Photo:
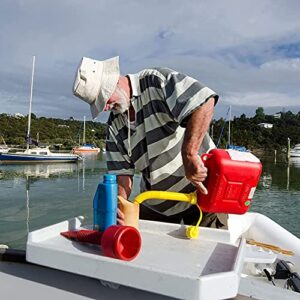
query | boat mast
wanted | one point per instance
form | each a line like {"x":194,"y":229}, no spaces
{"x":229,"y":125}
{"x":83,"y":141}
{"x":30,"y":102}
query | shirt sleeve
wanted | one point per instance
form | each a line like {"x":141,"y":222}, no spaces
{"x":117,"y":159}
{"x":184,"y":94}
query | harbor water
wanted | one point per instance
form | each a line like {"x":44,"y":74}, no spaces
{"x":35,"y":196}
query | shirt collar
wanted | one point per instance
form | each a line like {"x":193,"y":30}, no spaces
{"x":135,"y":84}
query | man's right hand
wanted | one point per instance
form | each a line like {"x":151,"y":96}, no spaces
{"x":195,"y":171}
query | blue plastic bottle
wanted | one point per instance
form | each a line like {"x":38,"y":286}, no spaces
{"x":105,"y":203}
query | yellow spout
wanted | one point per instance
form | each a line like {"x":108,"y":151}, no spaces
{"x":191,"y":197}
{"x":192,"y":231}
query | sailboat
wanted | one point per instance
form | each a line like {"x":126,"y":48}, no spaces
{"x":85,"y":148}
{"x":229,"y":145}
{"x":36,"y":154}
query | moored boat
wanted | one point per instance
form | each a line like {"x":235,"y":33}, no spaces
{"x":37,"y":155}
{"x":85,"y":148}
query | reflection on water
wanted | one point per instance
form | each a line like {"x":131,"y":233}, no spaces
{"x":278,"y":194}
{"x":295,"y":161}
{"x":35,"y":196}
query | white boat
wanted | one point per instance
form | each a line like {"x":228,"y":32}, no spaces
{"x":295,"y":152}
{"x":225,"y":266}
{"x":85,"y":148}
{"x":37,"y":154}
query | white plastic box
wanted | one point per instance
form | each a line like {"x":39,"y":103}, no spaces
{"x":168,"y":264}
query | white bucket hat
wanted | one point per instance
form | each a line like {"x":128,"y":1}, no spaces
{"x":95,"y":82}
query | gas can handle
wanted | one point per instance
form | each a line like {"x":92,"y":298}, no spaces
{"x":205,"y":157}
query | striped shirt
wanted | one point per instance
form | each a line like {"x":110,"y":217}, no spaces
{"x":163,"y":100}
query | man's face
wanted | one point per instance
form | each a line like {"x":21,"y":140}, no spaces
{"x":119,"y":101}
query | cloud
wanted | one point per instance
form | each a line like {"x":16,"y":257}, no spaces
{"x":245,"y":50}
{"x":261,"y":99}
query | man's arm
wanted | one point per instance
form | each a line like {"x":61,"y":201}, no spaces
{"x":124,"y":190}
{"x":196,"y":129}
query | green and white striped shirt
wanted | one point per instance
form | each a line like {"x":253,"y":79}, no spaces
{"x":163,"y":100}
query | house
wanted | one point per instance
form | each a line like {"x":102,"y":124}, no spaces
{"x":18,"y":115}
{"x":265,"y":125}
{"x":277,"y":115}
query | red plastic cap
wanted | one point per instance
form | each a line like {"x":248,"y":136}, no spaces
{"x":122,"y":242}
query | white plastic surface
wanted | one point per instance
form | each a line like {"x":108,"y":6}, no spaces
{"x":168,"y":264}
{"x":242,"y":156}
{"x":256,"y":254}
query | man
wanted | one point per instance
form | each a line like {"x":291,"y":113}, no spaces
{"x":158,"y":126}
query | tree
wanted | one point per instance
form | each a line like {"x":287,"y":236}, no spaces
{"x":259,"y":113}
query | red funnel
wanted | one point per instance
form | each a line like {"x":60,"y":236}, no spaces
{"x":122,"y":242}
{"x":84,"y":236}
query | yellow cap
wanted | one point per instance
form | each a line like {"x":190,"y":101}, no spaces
{"x":192,"y":232}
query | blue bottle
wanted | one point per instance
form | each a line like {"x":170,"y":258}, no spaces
{"x":105,"y":203}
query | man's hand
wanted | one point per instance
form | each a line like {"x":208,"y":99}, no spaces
{"x":195,"y":171}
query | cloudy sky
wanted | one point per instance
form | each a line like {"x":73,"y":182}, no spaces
{"x":247,"y":51}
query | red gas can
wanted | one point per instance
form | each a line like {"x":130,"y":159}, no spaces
{"x":231,"y":181}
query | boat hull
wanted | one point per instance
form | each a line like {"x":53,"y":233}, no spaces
{"x":86,"y":150}
{"x":80,"y":151}
{"x":11,"y":158}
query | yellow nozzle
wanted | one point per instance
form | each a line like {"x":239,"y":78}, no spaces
{"x":191,"y":198}
{"x":192,"y":231}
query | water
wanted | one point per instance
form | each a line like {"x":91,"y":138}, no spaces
{"x":35,"y":196}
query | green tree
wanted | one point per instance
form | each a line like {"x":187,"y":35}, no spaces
{"x":259,"y":113}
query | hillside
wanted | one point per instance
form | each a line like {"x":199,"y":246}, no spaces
{"x":244,"y":131}
{"x":51,"y":131}
{"x":247,"y":131}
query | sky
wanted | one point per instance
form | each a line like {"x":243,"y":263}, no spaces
{"x":246,"y":51}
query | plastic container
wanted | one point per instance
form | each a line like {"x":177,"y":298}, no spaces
{"x":122,"y":242}
{"x":231,"y":181}
{"x":117,"y":241}
{"x":105,"y":203}
{"x":168,"y":264}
